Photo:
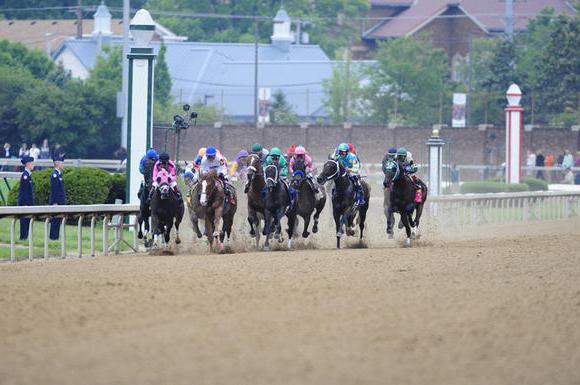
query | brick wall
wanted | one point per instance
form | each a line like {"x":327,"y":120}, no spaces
{"x":464,"y":146}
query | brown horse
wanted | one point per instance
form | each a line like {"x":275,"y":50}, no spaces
{"x":215,"y":208}
{"x":254,"y":190}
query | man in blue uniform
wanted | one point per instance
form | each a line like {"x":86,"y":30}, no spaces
{"x":57,"y":194}
{"x":25,"y":193}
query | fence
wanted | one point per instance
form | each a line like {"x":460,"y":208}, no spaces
{"x":458,"y":211}
{"x":105,"y":164}
{"x":78,"y":213}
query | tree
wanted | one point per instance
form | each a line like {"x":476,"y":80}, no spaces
{"x":281,"y":111}
{"x":409,"y":83}
{"x":162,"y":78}
{"x":342,"y":91}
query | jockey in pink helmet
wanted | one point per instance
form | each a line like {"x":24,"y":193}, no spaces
{"x":302,"y":161}
{"x":165,"y":163}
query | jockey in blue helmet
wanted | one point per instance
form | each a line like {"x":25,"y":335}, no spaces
{"x":146,"y":169}
{"x":352,"y":165}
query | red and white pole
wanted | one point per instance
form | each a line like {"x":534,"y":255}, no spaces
{"x":513,"y":134}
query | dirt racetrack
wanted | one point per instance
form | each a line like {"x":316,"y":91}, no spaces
{"x":493,"y":310}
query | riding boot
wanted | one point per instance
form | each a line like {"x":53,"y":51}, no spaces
{"x":418,"y":191}
{"x":360,"y":197}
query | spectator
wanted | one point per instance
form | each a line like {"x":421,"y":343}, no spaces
{"x":57,"y":194}
{"x":531,"y":162}
{"x":568,"y":160}
{"x":6,"y":154}
{"x":454,"y":174}
{"x":577,"y":162}
{"x":540,"y":163}
{"x":26,"y":194}
{"x":559,"y":160}
{"x":58,"y":151}
{"x":45,"y":150}
{"x":549,"y":160}
{"x":34,"y":152}
{"x":23,"y":151}
{"x":568,"y":176}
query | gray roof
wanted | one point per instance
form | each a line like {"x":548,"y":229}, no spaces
{"x":223,"y":73}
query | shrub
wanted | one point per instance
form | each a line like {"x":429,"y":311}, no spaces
{"x":535,"y":184}
{"x":83,"y":186}
{"x":118,"y":185}
{"x":491,"y":187}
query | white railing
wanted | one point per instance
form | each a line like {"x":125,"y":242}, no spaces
{"x":113,"y":217}
{"x":500,"y":208}
{"x":105,"y":164}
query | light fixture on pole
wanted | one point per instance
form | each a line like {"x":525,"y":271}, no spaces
{"x":513,"y":138}
{"x":139,"y":99}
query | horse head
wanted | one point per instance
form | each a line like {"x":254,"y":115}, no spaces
{"x":392,"y":172}
{"x":164,"y":181}
{"x":271,"y":175}
{"x":298,"y":176}
{"x":253,"y":164}
{"x":209,"y":183}
{"x":332,"y":169}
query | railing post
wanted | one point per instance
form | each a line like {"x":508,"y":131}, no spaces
{"x":12,"y":240}
{"x":135,"y":231}
{"x":106,"y":235}
{"x":31,"y":239}
{"x":63,"y":238}
{"x":93,"y":219}
{"x":46,"y":222}
{"x":80,"y":237}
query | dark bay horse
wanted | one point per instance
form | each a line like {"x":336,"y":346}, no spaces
{"x":254,"y":191}
{"x":276,"y":201}
{"x":403,"y":199}
{"x":308,"y":202}
{"x":144,"y":215}
{"x":344,"y":209}
{"x":166,"y":210}
{"x":216,"y":209}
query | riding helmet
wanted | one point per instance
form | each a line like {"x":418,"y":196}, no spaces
{"x":392,"y":151}
{"x":300,"y":151}
{"x":275,"y":152}
{"x":257,"y":147}
{"x":151,"y":153}
{"x":343,"y":147}
{"x":164,"y":157}
{"x":402,"y":151}
{"x":201,"y":152}
{"x":210,"y":151}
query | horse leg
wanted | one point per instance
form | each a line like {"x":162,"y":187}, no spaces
{"x":362,"y":216}
{"x":216,"y":226}
{"x":177,"y":239}
{"x":278,"y":232}
{"x":266,"y":232}
{"x":140,"y":222}
{"x":305,"y":233}
{"x":338,"y":224}
{"x":252,"y":218}
{"x":405,"y":221}
{"x":418,"y":214}
{"x":291,"y":225}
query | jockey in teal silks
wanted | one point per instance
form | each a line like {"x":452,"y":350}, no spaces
{"x":352,"y":165}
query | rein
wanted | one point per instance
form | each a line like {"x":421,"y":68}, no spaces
{"x":274,"y":180}
{"x":336,"y":173}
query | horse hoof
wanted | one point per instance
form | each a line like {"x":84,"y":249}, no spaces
{"x":350,"y":232}
{"x":401,"y":225}
{"x":305,"y":234}
{"x":408,"y":242}
{"x":177,"y":241}
{"x":289,"y":243}
{"x":140,"y":235}
{"x":277,"y":236}
{"x":315,"y":229}
{"x":390,"y":236}
{"x":266,"y":248}
{"x":199,"y":235}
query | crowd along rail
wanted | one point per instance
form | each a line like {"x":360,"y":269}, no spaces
{"x":113,"y":217}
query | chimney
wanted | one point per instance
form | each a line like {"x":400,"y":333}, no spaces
{"x":282,"y":37}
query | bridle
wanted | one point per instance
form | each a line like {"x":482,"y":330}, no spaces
{"x":274,"y":180}
{"x":336,"y":173}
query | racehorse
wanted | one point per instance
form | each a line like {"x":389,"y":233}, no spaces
{"x":344,"y":207}
{"x":254,"y":188}
{"x":307,"y":202}
{"x":166,"y":209}
{"x":214,"y":208}
{"x":276,"y":201}
{"x":144,"y":215}
{"x":403,"y":199}
{"x":389,"y":215}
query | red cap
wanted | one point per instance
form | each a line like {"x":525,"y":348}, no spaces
{"x":351,"y":148}
{"x":291,"y":149}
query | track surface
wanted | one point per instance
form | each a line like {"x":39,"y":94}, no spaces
{"x":495,"y":310}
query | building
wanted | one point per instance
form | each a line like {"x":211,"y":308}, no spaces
{"x":222,"y":74}
{"x":451,"y":24}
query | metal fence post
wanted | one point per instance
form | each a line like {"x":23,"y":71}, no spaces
{"x":46,"y":222}
{"x":106,"y":235}
{"x":31,"y":239}
{"x":63,"y":238}
{"x":12,"y":240}
{"x":80,"y":236}
{"x":93,"y":235}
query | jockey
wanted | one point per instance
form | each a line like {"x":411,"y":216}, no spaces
{"x":405,"y":159}
{"x":290,"y":152}
{"x":146,"y":169}
{"x":165,"y":163}
{"x":198,"y":158}
{"x":259,"y":150}
{"x":275,"y":157}
{"x":214,"y":160}
{"x":239,"y":167}
{"x":390,"y":156}
{"x":352,"y":165}
{"x":302,"y":160}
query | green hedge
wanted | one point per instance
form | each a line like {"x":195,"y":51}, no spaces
{"x":83,"y":186}
{"x":117,"y":191}
{"x":491,"y":187}
{"x":535,"y":184}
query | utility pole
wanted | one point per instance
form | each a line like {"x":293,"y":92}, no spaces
{"x":79,"y":19}
{"x":509,"y":19}
{"x":125,"y":75}
{"x":256,"y":36}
